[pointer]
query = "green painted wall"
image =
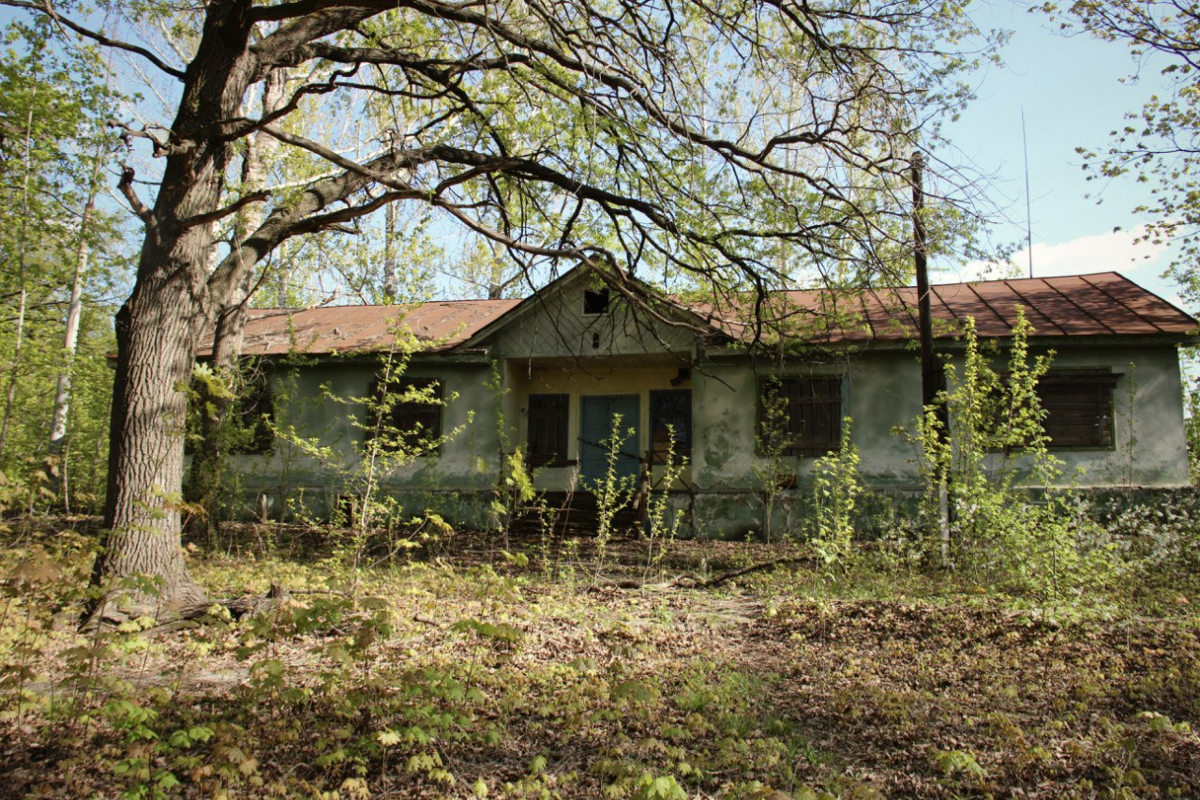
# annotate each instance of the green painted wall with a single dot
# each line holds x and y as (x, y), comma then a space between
(555, 348)
(296, 480)
(881, 390)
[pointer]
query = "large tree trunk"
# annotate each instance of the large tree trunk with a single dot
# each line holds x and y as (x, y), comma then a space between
(156, 335)
(159, 326)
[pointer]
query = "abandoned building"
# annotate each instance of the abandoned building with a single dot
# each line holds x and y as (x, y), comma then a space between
(557, 372)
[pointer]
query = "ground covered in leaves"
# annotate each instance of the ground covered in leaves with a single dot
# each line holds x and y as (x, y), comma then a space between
(466, 669)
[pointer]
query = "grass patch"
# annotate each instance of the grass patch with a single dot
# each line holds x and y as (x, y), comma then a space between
(462, 671)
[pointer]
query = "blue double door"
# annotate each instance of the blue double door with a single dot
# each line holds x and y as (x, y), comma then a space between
(603, 419)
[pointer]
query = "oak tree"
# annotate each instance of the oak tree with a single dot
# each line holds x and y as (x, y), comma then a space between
(687, 140)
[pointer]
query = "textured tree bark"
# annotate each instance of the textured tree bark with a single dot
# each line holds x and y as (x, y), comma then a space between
(156, 332)
(389, 255)
(158, 329)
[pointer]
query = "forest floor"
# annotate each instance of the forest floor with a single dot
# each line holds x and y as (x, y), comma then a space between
(460, 668)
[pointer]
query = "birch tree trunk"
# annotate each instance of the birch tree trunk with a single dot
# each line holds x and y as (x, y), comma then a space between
(62, 388)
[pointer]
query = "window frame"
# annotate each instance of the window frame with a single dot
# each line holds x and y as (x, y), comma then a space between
(680, 454)
(803, 448)
(562, 416)
(1103, 383)
(428, 434)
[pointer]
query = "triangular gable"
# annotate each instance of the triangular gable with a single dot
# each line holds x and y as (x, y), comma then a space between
(550, 322)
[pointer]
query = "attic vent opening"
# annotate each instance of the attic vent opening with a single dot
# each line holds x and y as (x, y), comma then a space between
(595, 301)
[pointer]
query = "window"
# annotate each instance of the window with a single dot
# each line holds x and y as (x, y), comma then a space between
(251, 411)
(412, 412)
(801, 416)
(670, 425)
(255, 412)
(1079, 408)
(595, 301)
(548, 416)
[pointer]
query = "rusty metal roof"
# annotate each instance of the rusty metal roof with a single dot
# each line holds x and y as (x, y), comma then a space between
(339, 329)
(1100, 304)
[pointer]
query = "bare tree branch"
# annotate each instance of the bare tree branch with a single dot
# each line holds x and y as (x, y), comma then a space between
(135, 203)
(48, 9)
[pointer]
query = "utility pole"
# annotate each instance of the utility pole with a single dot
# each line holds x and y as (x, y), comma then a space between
(931, 372)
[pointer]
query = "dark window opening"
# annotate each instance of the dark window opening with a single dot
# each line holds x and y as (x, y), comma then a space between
(255, 409)
(595, 301)
(408, 416)
(801, 416)
(670, 425)
(1079, 408)
(548, 418)
(249, 415)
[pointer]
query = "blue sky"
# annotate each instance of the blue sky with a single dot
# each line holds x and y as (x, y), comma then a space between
(1071, 91)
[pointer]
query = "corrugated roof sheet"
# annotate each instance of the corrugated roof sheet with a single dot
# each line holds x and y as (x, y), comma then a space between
(340, 329)
(1105, 303)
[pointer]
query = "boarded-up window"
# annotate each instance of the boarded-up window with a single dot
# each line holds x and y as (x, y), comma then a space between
(411, 414)
(801, 416)
(548, 418)
(670, 424)
(1079, 408)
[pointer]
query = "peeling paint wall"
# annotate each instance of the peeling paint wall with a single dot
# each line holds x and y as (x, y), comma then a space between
(555, 348)
(881, 390)
(318, 402)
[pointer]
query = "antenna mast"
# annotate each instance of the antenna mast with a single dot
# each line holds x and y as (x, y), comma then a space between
(1028, 214)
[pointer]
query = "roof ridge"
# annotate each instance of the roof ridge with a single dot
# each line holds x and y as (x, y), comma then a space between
(388, 305)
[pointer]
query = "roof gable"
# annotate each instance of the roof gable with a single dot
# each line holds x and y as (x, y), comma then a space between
(553, 323)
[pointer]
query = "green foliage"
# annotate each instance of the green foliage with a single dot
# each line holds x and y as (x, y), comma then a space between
(771, 442)
(514, 488)
(662, 519)
(1191, 419)
(383, 450)
(992, 485)
(836, 488)
(1159, 145)
(53, 108)
(614, 492)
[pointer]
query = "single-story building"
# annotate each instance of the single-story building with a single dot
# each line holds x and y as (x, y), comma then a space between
(558, 371)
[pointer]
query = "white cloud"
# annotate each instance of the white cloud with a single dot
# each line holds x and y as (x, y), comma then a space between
(1113, 251)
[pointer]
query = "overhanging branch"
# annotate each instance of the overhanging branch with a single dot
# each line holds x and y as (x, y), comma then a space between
(48, 9)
